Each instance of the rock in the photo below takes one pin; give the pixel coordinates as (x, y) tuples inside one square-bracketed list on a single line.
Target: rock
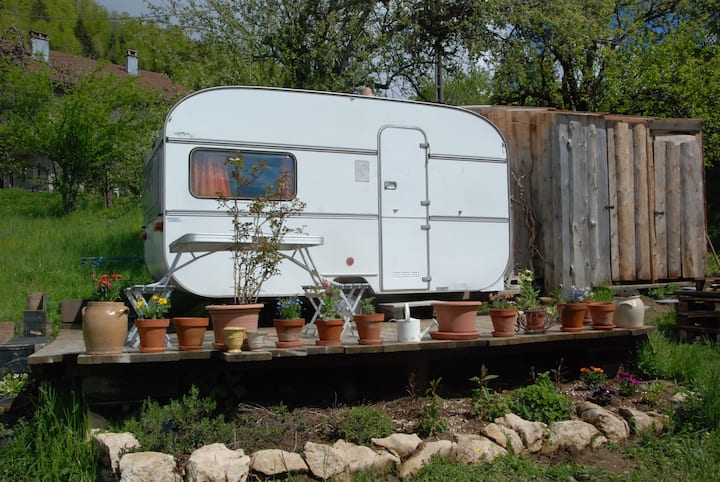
[(641, 422), (216, 463), (573, 435), (613, 427), (531, 433), (324, 461), (505, 437), (148, 467), (472, 449), (276, 461), (113, 446), (358, 457), (401, 444), (423, 454)]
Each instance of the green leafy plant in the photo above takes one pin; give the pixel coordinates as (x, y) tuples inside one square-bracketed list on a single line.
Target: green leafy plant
[(501, 303), (154, 308), (628, 383), (329, 296), (487, 403), (528, 299), (603, 293), (541, 401), (289, 308), (431, 421), (12, 383), (364, 423), (180, 426), (366, 306), (592, 376)]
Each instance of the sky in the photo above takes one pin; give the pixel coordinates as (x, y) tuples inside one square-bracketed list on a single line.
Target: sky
[(132, 7)]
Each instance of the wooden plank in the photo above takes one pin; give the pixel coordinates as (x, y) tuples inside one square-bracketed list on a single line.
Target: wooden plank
[(612, 202), (522, 164), (600, 221), (660, 232), (694, 252), (563, 264), (651, 200), (625, 203), (579, 203), (673, 210), (642, 222), (544, 196)]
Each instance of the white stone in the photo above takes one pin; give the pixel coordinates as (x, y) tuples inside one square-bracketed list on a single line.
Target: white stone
[(401, 444), (216, 463), (276, 461), (641, 422), (148, 467), (359, 457), (115, 445), (505, 437), (573, 435), (423, 455), (613, 427), (324, 461), (531, 433), (472, 449)]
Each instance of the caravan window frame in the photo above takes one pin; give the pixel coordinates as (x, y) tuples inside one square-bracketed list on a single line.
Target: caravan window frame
[(226, 188)]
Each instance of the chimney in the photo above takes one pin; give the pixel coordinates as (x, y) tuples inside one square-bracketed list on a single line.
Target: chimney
[(132, 62), (40, 43)]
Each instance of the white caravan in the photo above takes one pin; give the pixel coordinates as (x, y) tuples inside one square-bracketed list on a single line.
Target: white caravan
[(407, 197)]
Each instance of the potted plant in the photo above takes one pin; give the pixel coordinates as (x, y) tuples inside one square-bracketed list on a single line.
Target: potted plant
[(369, 323), (329, 322), (532, 319), (260, 221), (289, 322), (152, 324), (503, 314), (602, 309), (572, 307), (105, 319)]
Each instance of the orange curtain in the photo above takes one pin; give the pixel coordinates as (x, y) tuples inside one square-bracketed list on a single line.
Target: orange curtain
[(209, 174)]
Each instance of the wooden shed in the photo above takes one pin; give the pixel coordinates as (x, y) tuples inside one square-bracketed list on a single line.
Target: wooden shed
[(599, 198)]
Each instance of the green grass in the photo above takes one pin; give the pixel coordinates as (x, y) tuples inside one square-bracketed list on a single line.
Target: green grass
[(42, 248)]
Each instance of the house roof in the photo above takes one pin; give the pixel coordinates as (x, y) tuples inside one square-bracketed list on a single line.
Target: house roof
[(68, 68)]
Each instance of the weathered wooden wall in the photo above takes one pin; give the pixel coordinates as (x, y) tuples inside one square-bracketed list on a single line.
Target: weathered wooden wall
[(590, 205)]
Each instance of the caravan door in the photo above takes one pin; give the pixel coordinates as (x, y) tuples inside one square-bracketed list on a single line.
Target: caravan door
[(403, 211)]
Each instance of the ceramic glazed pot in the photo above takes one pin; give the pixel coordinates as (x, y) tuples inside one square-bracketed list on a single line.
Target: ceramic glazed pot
[(256, 339), (504, 321), (602, 314), (152, 334), (288, 332), (105, 327), (329, 332), (232, 315), (630, 313), (572, 316), (369, 328), (457, 316), (190, 332), (234, 338)]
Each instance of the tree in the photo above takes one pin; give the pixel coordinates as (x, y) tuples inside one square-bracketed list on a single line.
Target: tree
[(311, 44), (89, 131)]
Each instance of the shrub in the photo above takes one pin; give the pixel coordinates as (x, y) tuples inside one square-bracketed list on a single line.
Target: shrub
[(180, 426), (364, 423), (541, 401), (487, 403), (431, 421)]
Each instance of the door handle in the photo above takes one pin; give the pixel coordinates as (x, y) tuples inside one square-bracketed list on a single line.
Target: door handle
[(390, 185)]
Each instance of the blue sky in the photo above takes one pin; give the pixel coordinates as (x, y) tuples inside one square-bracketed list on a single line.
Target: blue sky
[(133, 7)]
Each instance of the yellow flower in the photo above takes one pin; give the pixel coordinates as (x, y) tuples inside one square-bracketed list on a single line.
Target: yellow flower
[(139, 303), (162, 301), (154, 297)]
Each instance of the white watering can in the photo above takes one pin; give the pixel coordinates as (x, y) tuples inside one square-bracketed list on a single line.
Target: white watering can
[(408, 330)]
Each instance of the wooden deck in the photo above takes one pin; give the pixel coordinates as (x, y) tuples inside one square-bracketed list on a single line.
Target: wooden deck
[(313, 374)]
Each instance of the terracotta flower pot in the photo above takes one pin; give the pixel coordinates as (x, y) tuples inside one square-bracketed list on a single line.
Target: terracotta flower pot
[(288, 332), (602, 314), (457, 316), (329, 331), (369, 328), (152, 334), (105, 327), (504, 321), (232, 315), (535, 321), (572, 316), (190, 332)]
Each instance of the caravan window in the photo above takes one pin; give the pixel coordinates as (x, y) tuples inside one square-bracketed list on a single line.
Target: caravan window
[(242, 174)]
